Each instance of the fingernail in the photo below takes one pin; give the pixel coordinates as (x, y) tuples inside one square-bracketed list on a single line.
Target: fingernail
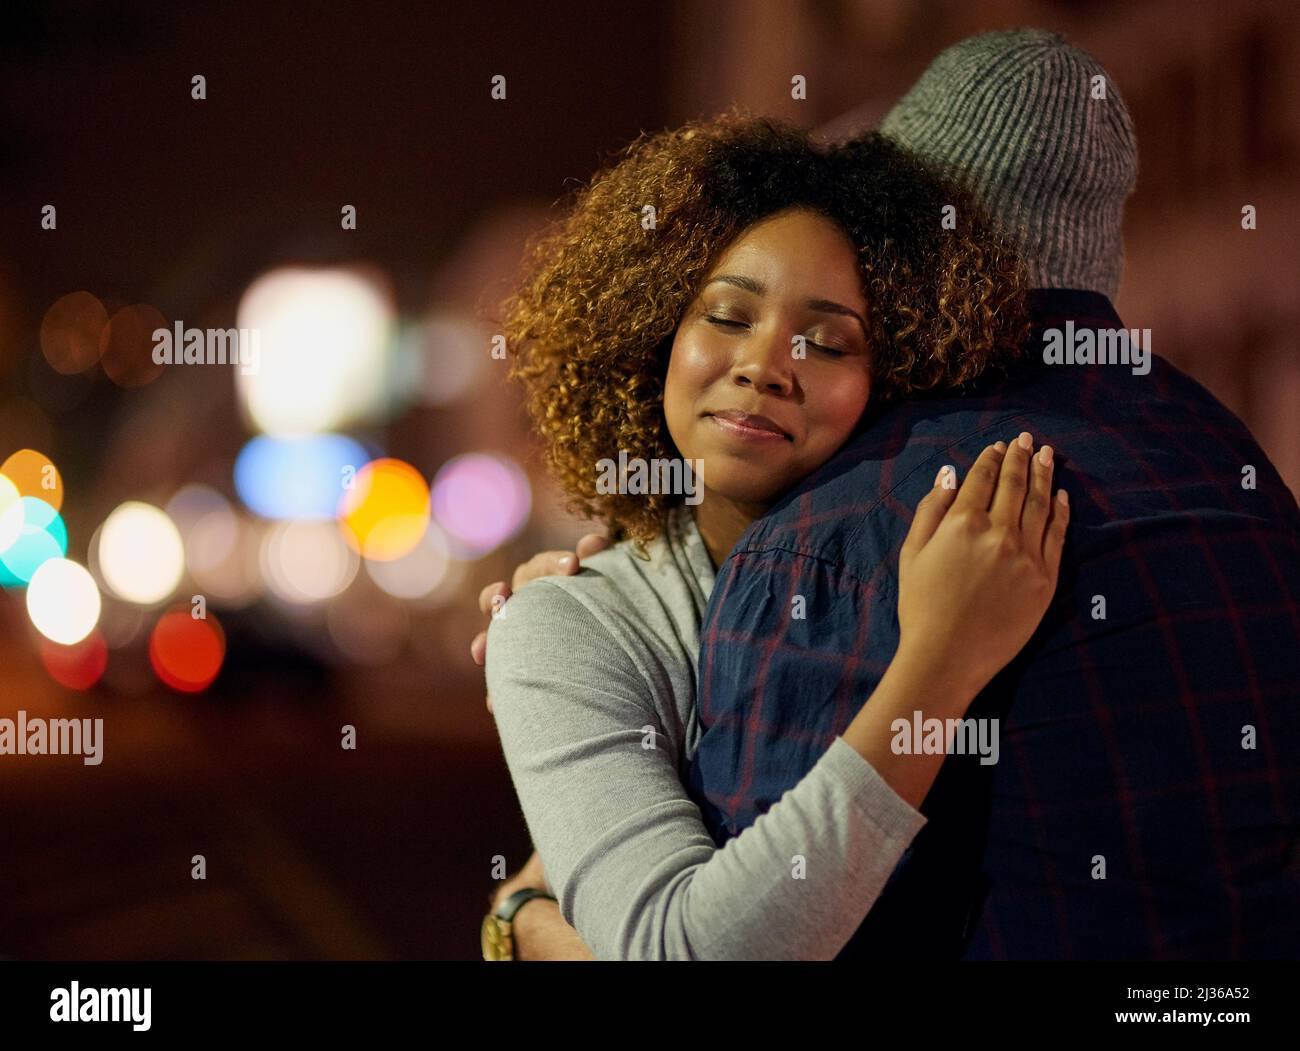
[(1045, 456), (1000, 446), (566, 561), (1026, 440), (939, 477), (1063, 498)]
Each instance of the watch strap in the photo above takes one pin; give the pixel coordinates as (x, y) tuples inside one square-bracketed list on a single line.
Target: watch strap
[(507, 909)]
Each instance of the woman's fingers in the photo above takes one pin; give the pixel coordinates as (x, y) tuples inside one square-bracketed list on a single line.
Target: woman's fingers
[(591, 544), (485, 597), (546, 564), (930, 511), (1038, 500), (976, 492), (1009, 500), (1054, 537)]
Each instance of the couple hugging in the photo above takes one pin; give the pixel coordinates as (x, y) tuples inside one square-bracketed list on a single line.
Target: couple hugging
[(908, 516)]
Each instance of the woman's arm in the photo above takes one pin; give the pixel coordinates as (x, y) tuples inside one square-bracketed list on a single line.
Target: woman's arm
[(975, 576), (626, 851), (635, 870)]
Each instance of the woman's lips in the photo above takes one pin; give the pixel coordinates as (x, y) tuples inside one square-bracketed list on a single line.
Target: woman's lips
[(749, 426)]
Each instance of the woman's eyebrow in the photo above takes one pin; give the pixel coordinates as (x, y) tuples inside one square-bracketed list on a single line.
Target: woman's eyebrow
[(823, 306)]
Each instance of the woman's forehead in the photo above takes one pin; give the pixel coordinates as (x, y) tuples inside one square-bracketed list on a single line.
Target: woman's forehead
[(801, 251)]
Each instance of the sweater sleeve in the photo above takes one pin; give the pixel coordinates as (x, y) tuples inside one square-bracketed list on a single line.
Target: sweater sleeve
[(624, 846)]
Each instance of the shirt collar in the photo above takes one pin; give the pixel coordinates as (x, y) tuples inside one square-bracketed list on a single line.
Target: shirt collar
[(1049, 304)]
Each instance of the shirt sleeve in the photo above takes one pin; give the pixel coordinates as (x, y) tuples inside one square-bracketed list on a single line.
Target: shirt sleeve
[(624, 846)]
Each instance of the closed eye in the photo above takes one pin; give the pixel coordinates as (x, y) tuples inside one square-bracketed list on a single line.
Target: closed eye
[(834, 352), (724, 322)]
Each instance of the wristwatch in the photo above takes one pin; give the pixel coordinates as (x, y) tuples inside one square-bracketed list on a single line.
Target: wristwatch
[(497, 933)]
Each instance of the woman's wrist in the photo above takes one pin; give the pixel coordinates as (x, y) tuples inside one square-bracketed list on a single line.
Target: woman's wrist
[(932, 682), (913, 683)]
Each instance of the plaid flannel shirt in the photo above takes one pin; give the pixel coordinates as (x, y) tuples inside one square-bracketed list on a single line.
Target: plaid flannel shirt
[(1150, 730)]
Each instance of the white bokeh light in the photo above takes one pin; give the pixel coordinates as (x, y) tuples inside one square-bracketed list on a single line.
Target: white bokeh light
[(140, 554), (306, 561), (223, 554), (11, 513), (63, 601), (323, 338), (417, 573)]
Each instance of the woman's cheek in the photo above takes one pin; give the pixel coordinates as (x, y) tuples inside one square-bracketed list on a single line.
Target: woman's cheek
[(692, 368), (839, 413), (681, 392)]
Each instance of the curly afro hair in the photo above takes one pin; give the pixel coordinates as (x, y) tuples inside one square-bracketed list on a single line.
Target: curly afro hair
[(591, 324)]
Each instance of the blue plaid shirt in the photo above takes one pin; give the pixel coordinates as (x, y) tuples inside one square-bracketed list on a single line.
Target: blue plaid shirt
[(1150, 729)]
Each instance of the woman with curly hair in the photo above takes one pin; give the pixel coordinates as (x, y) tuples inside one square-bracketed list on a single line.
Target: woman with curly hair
[(732, 297)]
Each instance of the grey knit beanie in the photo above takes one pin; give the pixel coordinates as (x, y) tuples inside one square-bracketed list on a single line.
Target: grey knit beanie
[(1012, 116)]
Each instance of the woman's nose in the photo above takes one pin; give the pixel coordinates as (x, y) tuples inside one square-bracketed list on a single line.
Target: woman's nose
[(766, 364)]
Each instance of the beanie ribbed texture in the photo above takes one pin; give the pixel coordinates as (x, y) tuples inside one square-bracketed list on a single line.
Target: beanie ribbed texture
[(1011, 116)]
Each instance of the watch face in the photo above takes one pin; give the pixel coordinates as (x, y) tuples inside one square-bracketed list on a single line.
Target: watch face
[(496, 940)]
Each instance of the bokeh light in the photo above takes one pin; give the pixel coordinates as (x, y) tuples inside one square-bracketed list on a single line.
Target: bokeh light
[(11, 513), (306, 561), (34, 474), (453, 357), (482, 501), (63, 601), (186, 653), (419, 572), (43, 536), (37, 514), (71, 331), (303, 477), (127, 343), (191, 503), (223, 553), (386, 511), (78, 667), (121, 625), (140, 554), (325, 337), (216, 551)]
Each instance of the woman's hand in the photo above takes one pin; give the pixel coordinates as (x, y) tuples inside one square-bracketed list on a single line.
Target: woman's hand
[(979, 567)]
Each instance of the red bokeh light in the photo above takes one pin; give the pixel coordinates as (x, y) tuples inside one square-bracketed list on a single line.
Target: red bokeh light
[(77, 667), (186, 653)]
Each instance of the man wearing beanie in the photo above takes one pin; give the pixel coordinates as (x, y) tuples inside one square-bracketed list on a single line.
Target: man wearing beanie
[(1145, 798), (1014, 117)]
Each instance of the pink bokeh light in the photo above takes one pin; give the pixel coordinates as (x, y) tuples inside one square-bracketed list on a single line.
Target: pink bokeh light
[(481, 500)]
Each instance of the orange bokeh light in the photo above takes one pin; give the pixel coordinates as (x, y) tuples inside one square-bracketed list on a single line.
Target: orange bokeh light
[(386, 512), (126, 345), (71, 332), (34, 474), (186, 653)]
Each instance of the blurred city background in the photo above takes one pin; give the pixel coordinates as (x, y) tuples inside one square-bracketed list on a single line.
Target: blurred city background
[(376, 381)]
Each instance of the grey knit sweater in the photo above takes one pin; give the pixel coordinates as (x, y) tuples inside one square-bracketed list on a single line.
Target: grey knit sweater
[(592, 679)]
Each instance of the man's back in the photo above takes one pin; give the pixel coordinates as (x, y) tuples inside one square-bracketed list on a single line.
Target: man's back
[(1146, 798)]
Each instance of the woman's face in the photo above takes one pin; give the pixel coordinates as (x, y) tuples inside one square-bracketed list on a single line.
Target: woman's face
[(741, 394)]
